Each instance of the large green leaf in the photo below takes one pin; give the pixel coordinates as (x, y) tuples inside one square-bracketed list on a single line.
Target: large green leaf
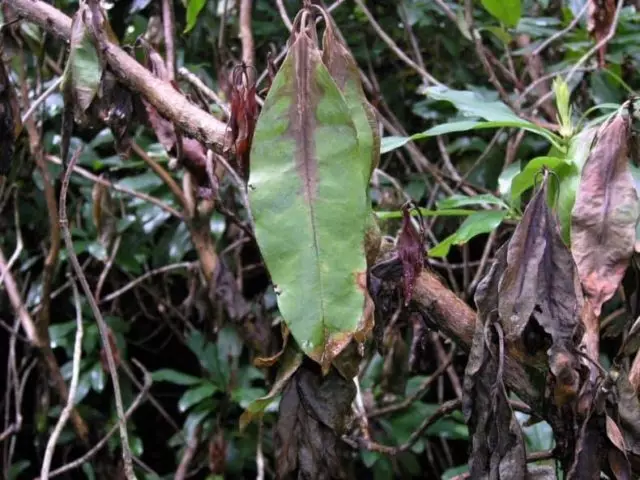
[(507, 11), (308, 195)]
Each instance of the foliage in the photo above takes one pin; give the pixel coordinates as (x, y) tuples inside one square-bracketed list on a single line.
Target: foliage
[(463, 173)]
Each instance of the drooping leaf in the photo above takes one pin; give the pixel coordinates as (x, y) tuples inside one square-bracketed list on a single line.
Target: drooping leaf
[(410, 247), (497, 443), (605, 214), (10, 124), (309, 201), (507, 11), (527, 178), (540, 289), (291, 360), (244, 113), (344, 70), (314, 412), (456, 201)]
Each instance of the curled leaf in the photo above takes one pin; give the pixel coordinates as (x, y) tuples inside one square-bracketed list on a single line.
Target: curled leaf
[(411, 252), (605, 214), (244, 114)]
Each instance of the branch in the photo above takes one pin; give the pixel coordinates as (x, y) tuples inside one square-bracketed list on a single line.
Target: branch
[(169, 102), (246, 35), (102, 326), (68, 408)]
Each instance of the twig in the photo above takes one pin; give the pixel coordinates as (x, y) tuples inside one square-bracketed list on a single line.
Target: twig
[(194, 80), (107, 267), (394, 47), (562, 32), (162, 95), (422, 389), (102, 326), (136, 403), (19, 245), (283, 14), (189, 453), (34, 106), (169, 26), (75, 374), (142, 278), (589, 54), (246, 35), (259, 454), (118, 188), (445, 409)]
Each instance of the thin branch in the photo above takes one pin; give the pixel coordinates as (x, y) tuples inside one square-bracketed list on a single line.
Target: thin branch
[(136, 403), (562, 32), (102, 326), (75, 374), (394, 47), (189, 453), (142, 278), (114, 186), (284, 15), (34, 106), (162, 95), (246, 35), (422, 389), (445, 409), (195, 81), (169, 26)]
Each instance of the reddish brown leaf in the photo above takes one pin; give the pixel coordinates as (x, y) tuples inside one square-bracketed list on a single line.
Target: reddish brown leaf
[(605, 214), (244, 114), (600, 18), (411, 252)]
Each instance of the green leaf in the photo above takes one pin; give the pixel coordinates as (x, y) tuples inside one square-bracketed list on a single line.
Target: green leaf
[(455, 212), (59, 334), (455, 201), (194, 7), (196, 395), (476, 224), (83, 72), (309, 199), (473, 105), (506, 178), (507, 11), (174, 376), (291, 360), (526, 179)]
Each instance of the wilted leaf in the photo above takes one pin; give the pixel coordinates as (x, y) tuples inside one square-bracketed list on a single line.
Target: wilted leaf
[(309, 201), (10, 124), (411, 251), (244, 113), (604, 218), (540, 288), (314, 412), (291, 360), (600, 16)]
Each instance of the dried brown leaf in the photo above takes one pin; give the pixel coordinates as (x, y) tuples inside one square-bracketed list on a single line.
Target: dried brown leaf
[(411, 252), (600, 15), (605, 214)]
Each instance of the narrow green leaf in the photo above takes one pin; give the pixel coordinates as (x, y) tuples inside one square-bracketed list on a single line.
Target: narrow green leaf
[(507, 11), (196, 395), (391, 143), (506, 178), (476, 224), (458, 212), (455, 201), (174, 376), (194, 7)]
